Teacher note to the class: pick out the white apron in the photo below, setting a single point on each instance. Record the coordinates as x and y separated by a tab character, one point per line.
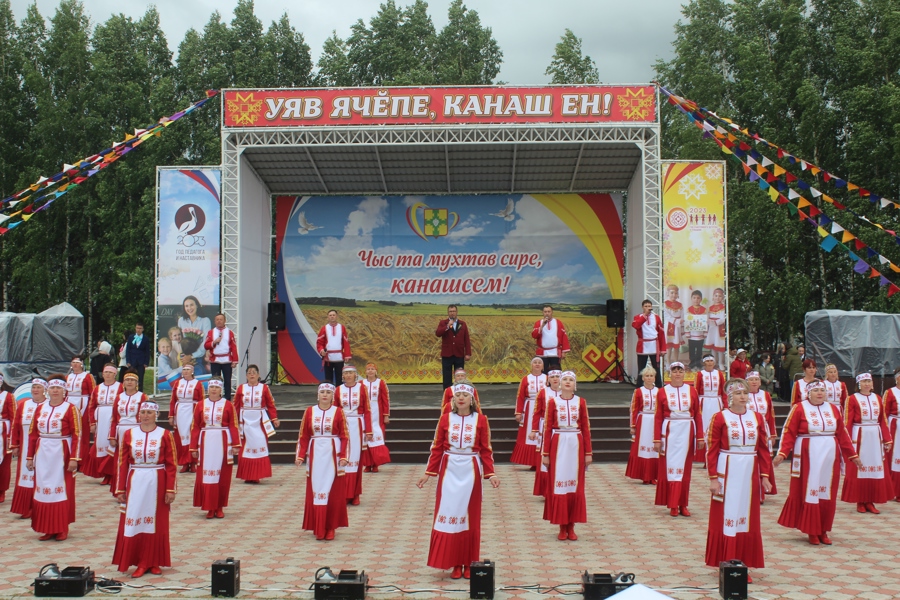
5	426
74	394
255	423
214	440
760	406
735	471
677	431
184	410
128	408
355	425
644	423
324	447
833	392
50	458
103	414
374	388
822	422
462	472
529	419
568	446
710	400
143	481
548	394
26	477
895	449
867	437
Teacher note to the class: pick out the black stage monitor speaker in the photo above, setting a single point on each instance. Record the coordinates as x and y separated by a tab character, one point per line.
603	585
615	314
481	582
733	580
348	585
276	319
71	582
226	578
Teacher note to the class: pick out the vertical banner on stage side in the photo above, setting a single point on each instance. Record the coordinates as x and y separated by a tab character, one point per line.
694	263
188	231
390	266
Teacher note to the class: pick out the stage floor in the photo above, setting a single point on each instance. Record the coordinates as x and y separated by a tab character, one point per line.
389	536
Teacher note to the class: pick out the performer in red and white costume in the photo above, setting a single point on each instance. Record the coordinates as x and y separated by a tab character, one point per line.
223	356
79	385
716	342
676	430
798	392
355	402
864	417
377	453
567	453
23	492
892	410
186	395
710	385
673	312
550	390
459	376
54	444
124	416
651	339
7	418
552	340
524	452
323	446
147	487
215	441
333	345
643	460
760	402
258	419
835	389
814	431
99	462
461	456
739	466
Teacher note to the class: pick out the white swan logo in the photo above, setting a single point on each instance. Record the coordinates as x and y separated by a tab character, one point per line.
190	219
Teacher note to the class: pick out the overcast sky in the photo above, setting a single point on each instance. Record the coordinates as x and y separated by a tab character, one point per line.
624	38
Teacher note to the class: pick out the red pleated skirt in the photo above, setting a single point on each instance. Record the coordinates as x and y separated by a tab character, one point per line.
448	550
146	549
321	518
254	469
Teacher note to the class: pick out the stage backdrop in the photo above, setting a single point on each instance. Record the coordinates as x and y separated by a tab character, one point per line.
694	261
390	266
187	267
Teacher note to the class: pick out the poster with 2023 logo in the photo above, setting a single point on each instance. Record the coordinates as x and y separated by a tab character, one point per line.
695	292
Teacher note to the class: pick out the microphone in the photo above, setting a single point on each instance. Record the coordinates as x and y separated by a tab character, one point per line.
254	329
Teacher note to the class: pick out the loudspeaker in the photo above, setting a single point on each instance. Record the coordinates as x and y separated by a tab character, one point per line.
596	586
733	580
481	582
72	582
615	314
276	320
226	578
348	585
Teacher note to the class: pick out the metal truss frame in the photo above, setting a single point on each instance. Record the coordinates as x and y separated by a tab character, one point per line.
236	140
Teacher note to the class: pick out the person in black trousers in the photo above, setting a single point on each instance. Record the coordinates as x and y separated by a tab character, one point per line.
137	353
455	346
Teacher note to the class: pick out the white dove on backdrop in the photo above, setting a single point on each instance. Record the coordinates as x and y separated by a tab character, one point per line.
305	226
507	213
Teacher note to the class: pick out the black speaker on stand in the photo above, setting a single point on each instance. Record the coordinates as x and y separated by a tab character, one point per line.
276	319
615	319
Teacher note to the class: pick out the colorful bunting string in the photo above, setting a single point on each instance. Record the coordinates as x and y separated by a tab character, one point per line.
774	183
40	195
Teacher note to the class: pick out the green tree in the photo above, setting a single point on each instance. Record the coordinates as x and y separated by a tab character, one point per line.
569	65
467	53
334	66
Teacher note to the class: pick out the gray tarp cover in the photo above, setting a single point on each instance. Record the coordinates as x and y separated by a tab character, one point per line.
856	342
43	343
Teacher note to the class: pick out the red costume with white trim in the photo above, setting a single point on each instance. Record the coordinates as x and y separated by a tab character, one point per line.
255	408
645	326
864	417
147	471
213	433
567	441
761	403
377	453
461	456
124	417
186	395
333	339
355	402
23	491
817	437
525	450
643	460
323	443
836	393
54	439
78	392
541	473
99	462
7	418
710	386
892	458
552	339
738	457
676	426
226	350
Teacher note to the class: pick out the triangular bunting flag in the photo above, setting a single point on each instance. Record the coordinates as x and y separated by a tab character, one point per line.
828	243
892	289
859	244
821	231
816	193
847	237
793	195
883	260
792	209
861	267
883	281
766	162
803	203
852	186
813	211
803	216
873	274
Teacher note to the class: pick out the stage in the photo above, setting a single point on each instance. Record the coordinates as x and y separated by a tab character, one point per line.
389	536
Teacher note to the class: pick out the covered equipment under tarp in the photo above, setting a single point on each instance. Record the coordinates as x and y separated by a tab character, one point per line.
39	344
855	341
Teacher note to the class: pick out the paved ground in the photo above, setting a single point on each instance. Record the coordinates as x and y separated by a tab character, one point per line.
388	537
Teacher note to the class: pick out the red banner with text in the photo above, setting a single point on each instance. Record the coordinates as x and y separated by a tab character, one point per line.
439	106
